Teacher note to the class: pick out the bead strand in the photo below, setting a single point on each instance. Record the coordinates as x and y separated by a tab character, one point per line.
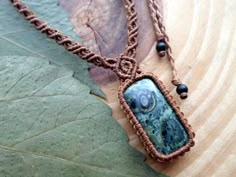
163	47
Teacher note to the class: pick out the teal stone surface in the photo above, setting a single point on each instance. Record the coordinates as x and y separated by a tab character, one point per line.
156	116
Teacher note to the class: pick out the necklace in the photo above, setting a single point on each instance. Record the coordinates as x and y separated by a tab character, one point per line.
149	107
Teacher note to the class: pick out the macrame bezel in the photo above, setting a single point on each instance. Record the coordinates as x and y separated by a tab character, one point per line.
147	143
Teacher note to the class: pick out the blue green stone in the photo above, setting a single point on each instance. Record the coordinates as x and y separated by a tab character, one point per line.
156	116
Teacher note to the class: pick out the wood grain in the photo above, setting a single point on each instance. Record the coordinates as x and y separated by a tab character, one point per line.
203	37
102	25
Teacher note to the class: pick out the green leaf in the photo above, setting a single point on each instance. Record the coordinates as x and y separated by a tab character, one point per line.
51	126
18	37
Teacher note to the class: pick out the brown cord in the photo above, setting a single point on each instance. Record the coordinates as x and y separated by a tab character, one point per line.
125	66
161	34
147	142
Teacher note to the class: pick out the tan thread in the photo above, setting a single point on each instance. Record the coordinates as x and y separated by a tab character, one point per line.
106	62
125	66
160	30
147	143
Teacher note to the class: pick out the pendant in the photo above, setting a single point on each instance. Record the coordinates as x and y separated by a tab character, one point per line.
155	117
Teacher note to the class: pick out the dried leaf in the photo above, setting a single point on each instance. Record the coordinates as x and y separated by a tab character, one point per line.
18	37
51	126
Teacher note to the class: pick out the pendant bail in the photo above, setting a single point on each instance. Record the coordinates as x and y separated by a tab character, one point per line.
126	67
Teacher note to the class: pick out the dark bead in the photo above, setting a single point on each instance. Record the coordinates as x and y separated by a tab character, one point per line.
182	88
184	95
162	53
161	46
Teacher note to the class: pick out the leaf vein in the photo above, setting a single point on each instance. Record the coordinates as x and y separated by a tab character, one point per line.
63	159
48	130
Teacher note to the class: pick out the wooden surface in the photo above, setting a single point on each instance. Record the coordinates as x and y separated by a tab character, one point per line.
203	37
102	26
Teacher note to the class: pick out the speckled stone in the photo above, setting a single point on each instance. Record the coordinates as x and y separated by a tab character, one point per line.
156	116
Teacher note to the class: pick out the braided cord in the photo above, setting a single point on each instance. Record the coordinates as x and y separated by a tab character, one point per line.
160	31
125	66
132	29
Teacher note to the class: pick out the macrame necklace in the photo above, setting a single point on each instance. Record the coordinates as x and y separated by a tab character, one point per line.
150	109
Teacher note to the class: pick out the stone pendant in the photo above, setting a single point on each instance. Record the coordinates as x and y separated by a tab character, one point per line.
157	120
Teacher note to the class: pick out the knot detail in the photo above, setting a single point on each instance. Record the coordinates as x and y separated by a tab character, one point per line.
126	67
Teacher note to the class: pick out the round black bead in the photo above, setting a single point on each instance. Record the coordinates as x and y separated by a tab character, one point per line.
182	88
161	46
